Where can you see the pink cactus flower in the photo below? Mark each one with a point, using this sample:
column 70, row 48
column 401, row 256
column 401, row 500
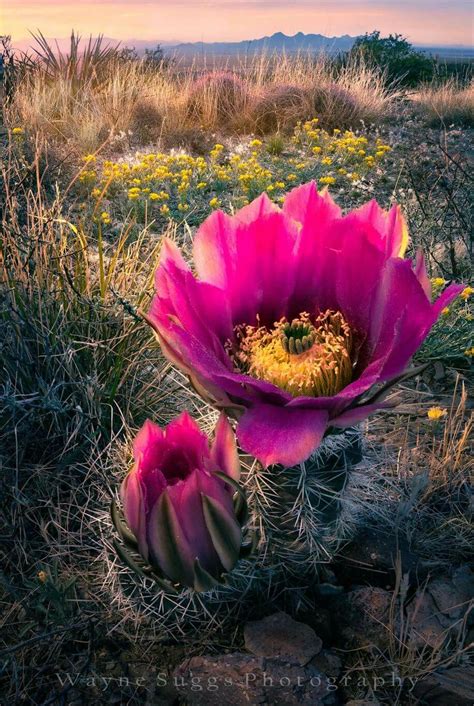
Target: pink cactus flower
column 179, row 510
column 295, row 318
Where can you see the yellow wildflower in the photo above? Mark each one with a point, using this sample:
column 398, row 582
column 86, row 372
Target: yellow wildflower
column 445, row 311
column 327, row 180
column 436, row 413
column 466, row 293
column 214, row 202
column 164, row 210
column 18, row 131
column 438, row 281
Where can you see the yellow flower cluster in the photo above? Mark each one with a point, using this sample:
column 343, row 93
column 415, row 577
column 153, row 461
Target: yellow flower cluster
column 169, row 184
column 340, row 148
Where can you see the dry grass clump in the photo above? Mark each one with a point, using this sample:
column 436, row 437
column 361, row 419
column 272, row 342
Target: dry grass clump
column 446, row 104
column 279, row 108
column 216, row 99
column 146, row 120
column 335, row 107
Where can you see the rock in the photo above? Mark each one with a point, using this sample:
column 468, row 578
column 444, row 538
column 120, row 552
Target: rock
column 426, row 624
column 362, row 618
column 280, row 637
column 452, row 596
column 238, row 679
column 370, row 559
column 453, row 687
column 328, row 662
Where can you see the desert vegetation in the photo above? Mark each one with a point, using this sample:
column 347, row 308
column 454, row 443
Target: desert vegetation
column 102, row 157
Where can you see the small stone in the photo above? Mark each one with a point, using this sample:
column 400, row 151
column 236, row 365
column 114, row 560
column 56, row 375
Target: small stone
column 280, row 637
column 327, row 662
column 239, row 679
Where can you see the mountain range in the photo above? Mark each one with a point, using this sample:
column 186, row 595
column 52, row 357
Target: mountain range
column 317, row 43
column 275, row 43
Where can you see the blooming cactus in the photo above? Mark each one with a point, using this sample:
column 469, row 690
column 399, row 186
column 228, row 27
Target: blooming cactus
column 294, row 316
column 180, row 511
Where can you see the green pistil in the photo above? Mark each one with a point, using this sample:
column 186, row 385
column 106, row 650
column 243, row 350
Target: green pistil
column 297, row 337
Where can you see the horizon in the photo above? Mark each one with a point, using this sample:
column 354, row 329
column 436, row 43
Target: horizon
column 129, row 41
column 423, row 23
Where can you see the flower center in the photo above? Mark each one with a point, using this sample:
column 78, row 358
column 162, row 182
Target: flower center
column 303, row 357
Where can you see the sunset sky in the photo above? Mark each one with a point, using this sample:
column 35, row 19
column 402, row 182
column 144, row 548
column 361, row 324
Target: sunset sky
column 422, row 21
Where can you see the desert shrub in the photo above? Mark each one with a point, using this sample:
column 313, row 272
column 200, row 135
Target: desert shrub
column 80, row 65
column 146, row 119
column 216, row 98
column 335, row 106
column 446, row 104
column 278, row 108
column 395, row 56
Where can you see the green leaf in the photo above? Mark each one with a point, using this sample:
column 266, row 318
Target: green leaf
column 127, row 559
column 240, row 498
column 203, row 581
column 168, row 543
column 224, row 530
column 122, row 528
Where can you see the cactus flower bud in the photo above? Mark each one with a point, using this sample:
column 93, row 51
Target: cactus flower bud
column 178, row 501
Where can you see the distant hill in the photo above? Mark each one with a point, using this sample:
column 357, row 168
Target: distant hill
column 277, row 42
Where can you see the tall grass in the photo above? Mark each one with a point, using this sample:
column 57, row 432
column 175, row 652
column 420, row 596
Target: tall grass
column 83, row 101
column 76, row 358
column 446, row 104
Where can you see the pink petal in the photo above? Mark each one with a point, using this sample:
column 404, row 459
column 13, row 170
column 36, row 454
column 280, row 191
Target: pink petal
column 391, row 228
column 250, row 259
column 421, row 273
column 282, row 435
column 316, row 212
column 134, row 509
column 445, row 299
column 185, row 433
column 353, row 416
column 224, row 449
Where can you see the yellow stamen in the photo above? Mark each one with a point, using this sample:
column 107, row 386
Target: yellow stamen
column 301, row 357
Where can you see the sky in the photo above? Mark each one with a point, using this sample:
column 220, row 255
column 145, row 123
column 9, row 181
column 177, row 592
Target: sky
column 421, row 21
